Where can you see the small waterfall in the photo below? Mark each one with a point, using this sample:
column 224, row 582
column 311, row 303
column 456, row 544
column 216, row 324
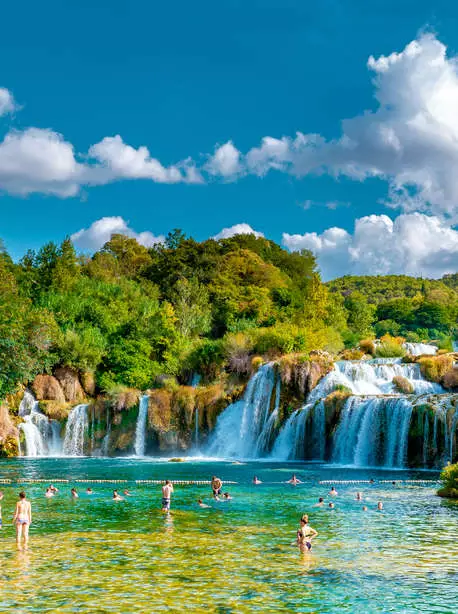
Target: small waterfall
column 425, row 438
column 42, row 436
column 290, row 443
column 240, row 425
column 140, row 429
column 106, row 440
column 357, row 439
column 416, row 349
column 76, row 431
column 196, row 428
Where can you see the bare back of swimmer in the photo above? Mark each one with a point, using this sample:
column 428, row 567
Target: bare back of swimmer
column 22, row 519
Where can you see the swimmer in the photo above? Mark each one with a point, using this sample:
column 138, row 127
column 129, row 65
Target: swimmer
column 320, row 502
column 53, row 488
column 371, row 481
column 331, row 506
column 305, row 534
column 117, row 496
column 201, row 504
column 294, row 480
column 359, row 496
column 256, row 480
column 167, row 491
column 1, row 497
column 227, row 497
column 127, row 493
column 364, row 508
column 49, row 493
column 393, row 483
column 74, row 493
column 216, row 485
column 22, row 519
column 333, row 492
column 89, row 491
column 380, row 506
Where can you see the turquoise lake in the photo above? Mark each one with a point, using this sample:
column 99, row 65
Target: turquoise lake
column 96, row 555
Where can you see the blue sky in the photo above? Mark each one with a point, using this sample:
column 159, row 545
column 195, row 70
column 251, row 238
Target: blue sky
column 183, row 79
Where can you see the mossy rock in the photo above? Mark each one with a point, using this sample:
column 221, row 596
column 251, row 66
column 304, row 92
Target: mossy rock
column 9, row 447
column 403, row 385
column 448, row 493
column 55, row 410
column 176, row 460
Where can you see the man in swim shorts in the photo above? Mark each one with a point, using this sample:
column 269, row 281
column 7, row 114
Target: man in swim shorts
column 305, row 534
column 167, row 491
column 22, row 519
column 216, row 487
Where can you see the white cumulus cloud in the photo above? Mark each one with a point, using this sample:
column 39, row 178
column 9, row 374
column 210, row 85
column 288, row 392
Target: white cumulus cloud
column 101, row 231
column 411, row 244
column 7, row 102
column 237, row 229
column 225, row 162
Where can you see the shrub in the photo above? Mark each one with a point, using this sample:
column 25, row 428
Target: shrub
column 450, row 379
column 237, row 349
column 55, row 410
column 403, row 385
column 256, row 362
column 122, row 398
column 434, row 368
column 353, row 354
column 367, row 346
column 390, row 347
column 449, row 479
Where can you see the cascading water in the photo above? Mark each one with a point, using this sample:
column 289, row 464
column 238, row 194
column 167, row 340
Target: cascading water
column 106, row 439
column 140, row 429
column 358, row 438
column 42, row 436
column 239, row 428
column 416, row 349
column 75, row 431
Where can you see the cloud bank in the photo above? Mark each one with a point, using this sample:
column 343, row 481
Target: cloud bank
column 412, row 244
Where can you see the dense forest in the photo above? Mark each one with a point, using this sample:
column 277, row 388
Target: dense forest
column 131, row 315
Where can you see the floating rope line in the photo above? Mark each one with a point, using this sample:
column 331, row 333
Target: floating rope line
column 65, row 481
column 378, row 482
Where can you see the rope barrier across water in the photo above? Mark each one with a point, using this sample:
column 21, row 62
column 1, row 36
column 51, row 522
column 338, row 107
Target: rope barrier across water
column 378, row 482
column 65, row 481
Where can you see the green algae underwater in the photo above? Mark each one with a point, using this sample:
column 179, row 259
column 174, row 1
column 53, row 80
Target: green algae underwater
column 93, row 554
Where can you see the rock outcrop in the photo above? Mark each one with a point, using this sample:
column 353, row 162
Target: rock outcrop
column 70, row 384
column 48, row 388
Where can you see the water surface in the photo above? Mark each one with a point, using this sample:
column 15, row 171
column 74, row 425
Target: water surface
column 96, row 555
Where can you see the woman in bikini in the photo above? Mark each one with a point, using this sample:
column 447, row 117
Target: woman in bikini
column 305, row 534
column 22, row 519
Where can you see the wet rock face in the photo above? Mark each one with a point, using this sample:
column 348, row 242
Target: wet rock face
column 48, row 388
column 70, row 384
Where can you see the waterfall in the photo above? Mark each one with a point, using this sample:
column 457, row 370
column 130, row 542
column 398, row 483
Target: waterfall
column 106, row 439
column 416, row 349
column 290, row 442
column 42, row 436
column 425, row 438
column 140, row 429
column 357, row 439
column 75, row 431
column 241, row 424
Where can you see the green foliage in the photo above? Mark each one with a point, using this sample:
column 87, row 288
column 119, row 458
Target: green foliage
column 128, row 314
column 390, row 347
column 449, row 479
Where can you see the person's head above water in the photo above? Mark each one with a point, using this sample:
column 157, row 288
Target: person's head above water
column 364, row 508
column 380, row 505
column 331, row 505
column 22, row 495
column 320, row 500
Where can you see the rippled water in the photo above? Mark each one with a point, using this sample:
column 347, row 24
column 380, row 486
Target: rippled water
column 96, row 555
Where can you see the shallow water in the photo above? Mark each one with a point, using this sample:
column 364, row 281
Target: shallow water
column 97, row 555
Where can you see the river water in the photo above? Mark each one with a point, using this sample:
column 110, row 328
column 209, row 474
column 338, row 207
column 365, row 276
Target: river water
column 96, row 555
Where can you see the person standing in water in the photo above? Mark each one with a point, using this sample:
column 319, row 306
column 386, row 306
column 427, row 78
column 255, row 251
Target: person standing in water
column 256, row 480
column 294, row 480
column 22, row 519
column 305, row 534
column 216, row 487
column 167, row 491
column 73, row 493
